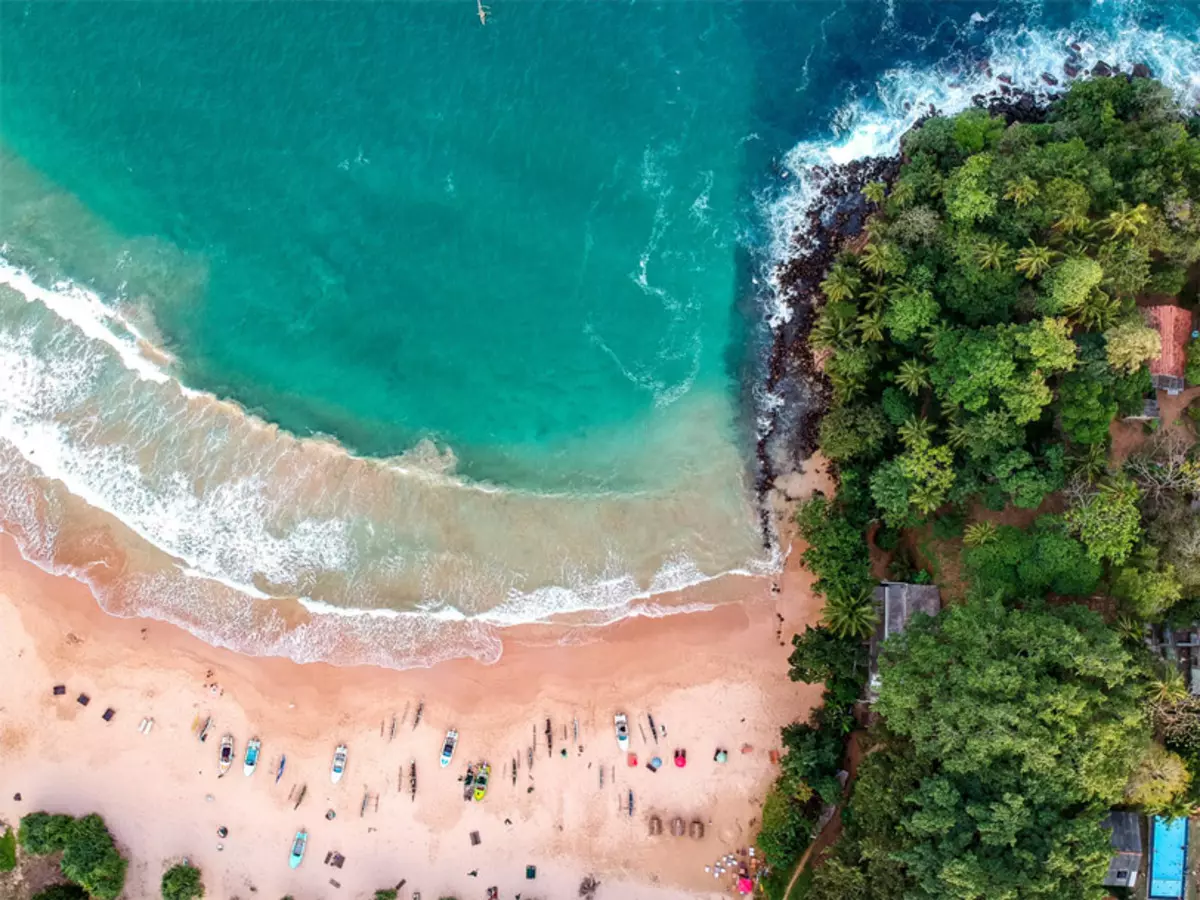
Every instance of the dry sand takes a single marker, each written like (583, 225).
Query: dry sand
(711, 679)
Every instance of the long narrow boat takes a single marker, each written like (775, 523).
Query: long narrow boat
(298, 847)
(225, 759)
(279, 771)
(252, 751)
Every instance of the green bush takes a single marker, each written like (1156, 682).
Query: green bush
(41, 833)
(386, 894)
(182, 882)
(8, 851)
(837, 550)
(90, 859)
(62, 892)
(1019, 564)
(1193, 363)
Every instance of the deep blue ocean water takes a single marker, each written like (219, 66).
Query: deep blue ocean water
(540, 247)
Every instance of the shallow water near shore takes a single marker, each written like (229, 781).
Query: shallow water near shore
(362, 331)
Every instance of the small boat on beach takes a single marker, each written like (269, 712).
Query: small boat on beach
(481, 782)
(621, 723)
(225, 759)
(298, 847)
(338, 769)
(448, 747)
(251, 761)
(469, 783)
(279, 771)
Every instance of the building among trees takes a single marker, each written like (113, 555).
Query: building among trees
(897, 602)
(1174, 326)
(1126, 864)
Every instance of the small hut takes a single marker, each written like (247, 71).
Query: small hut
(678, 828)
(655, 824)
(696, 829)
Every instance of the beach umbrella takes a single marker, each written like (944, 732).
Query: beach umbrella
(745, 886)
(680, 758)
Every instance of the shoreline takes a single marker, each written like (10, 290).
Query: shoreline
(713, 678)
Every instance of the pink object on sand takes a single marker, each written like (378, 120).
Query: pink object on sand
(631, 758)
(745, 886)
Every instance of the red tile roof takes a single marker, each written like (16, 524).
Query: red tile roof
(1174, 325)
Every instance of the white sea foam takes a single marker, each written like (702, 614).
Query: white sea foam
(87, 312)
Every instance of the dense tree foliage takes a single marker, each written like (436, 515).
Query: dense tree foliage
(41, 833)
(995, 295)
(1008, 733)
(182, 882)
(1024, 564)
(89, 857)
(62, 892)
(978, 343)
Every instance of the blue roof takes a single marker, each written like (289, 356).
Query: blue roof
(1168, 858)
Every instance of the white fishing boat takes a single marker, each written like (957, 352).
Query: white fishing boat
(225, 760)
(251, 761)
(448, 747)
(298, 847)
(338, 769)
(621, 723)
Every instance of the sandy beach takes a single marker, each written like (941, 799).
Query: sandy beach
(710, 679)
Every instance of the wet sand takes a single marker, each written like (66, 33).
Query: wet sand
(710, 679)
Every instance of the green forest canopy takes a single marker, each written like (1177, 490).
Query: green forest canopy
(979, 344)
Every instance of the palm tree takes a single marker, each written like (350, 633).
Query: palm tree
(850, 615)
(915, 431)
(875, 191)
(991, 254)
(880, 257)
(1167, 686)
(1090, 461)
(979, 534)
(1126, 221)
(1034, 260)
(912, 376)
(1097, 312)
(1022, 192)
(1131, 629)
(841, 284)
(870, 326)
(875, 296)
(1073, 222)
(835, 326)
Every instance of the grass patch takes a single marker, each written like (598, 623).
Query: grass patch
(8, 851)
(803, 882)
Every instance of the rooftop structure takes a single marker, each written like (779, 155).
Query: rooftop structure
(897, 603)
(1126, 828)
(1174, 326)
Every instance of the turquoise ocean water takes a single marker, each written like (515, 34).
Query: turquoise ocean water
(438, 326)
